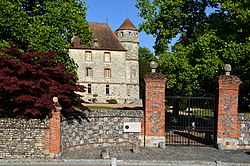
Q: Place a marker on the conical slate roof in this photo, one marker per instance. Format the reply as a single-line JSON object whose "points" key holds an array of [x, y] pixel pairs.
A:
{"points": [[127, 25]]}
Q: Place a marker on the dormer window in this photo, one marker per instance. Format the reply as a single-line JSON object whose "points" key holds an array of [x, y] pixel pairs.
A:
{"points": [[95, 43], [75, 41]]}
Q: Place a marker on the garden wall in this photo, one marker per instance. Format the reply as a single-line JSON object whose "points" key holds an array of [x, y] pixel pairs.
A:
{"points": [[101, 128], [244, 140], [21, 138], [28, 139]]}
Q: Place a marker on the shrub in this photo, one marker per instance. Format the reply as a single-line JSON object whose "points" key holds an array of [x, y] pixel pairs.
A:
{"points": [[112, 101], [29, 81], [183, 104]]}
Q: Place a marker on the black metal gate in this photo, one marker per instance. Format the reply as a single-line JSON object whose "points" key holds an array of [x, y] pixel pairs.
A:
{"points": [[190, 121]]}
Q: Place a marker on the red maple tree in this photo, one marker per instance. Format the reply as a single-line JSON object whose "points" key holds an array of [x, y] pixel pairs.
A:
{"points": [[29, 81]]}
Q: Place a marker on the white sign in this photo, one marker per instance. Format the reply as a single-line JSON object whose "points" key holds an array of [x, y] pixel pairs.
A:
{"points": [[133, 127]]}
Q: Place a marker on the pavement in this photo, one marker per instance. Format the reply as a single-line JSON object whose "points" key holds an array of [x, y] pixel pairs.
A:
{"points": [[144, 156]]}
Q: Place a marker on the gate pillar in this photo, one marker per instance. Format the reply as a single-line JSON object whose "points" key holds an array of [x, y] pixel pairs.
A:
{"points": [[55, 130], [155, 109], [228, 123]]}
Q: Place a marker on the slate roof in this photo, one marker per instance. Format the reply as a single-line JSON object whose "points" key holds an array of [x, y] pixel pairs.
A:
{"points": [[106, 38], [127, 25]]}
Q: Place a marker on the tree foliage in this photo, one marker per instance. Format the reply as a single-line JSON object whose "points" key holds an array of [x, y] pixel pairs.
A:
{"points": [[146, 54], [212, 33], [29, 81], [44, 25]]}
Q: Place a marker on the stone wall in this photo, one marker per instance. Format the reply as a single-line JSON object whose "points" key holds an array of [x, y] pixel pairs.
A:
{"points": [[117, 81], [244, 140], [21, 138], [101, 128]]}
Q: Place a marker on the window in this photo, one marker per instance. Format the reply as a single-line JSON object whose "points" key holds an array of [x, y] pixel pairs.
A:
{"points": [[88, 56], [129, 33], [107, 89], [121, 34], [107, 73], [96, 43], [107, 57], [89, 89], [89, 72]]}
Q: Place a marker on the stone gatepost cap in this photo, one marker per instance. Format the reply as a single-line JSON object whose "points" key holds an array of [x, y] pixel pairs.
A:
{"points": [[228, 79], [155, 76]]}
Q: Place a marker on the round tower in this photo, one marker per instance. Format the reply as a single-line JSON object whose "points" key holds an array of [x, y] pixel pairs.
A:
{"points": [[129, 38], [128, 35]]}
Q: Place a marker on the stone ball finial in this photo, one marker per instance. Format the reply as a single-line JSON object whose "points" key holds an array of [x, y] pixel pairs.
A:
{"points": [[153, 66], [55, 99], [227, 69]]}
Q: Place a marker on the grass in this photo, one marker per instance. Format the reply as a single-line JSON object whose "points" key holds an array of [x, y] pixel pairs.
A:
{"points": [[205, 113], [197, 112], [100, 108]]}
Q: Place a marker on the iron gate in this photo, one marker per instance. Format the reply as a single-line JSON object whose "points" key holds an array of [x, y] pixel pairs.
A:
{"points": [[190, 120]]}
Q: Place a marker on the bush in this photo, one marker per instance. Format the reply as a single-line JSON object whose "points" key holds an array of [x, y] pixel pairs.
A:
{"points": [[183, 104], [112, 101], [29, 81]]}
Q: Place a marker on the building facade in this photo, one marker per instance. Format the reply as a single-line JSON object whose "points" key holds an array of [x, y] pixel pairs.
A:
{"points": [[109, 69]]}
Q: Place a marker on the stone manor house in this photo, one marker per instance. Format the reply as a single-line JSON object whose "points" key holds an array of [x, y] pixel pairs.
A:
{"points": [[109, 69]]}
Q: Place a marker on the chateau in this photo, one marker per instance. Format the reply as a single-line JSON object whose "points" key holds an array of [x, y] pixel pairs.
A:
{"points": [[109, 69]]}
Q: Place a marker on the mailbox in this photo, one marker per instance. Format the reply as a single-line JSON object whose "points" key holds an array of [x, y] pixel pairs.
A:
{"points": [[132, 127]]}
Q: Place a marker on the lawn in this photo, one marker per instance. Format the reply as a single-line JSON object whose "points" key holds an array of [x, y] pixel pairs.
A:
{"points": [[100, 108]]}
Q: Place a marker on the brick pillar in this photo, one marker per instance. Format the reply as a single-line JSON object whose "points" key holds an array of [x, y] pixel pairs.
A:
{"points": [[155, 109], [46, 141], [55, 131], [228, 123]]}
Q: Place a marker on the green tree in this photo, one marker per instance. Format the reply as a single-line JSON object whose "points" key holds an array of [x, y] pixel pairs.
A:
{"points": [[207, 42], [29, 81], [44, 25], [146, 54]]}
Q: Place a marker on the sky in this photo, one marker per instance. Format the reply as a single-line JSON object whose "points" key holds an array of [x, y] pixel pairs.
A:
{"points": [[114, 12]]}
